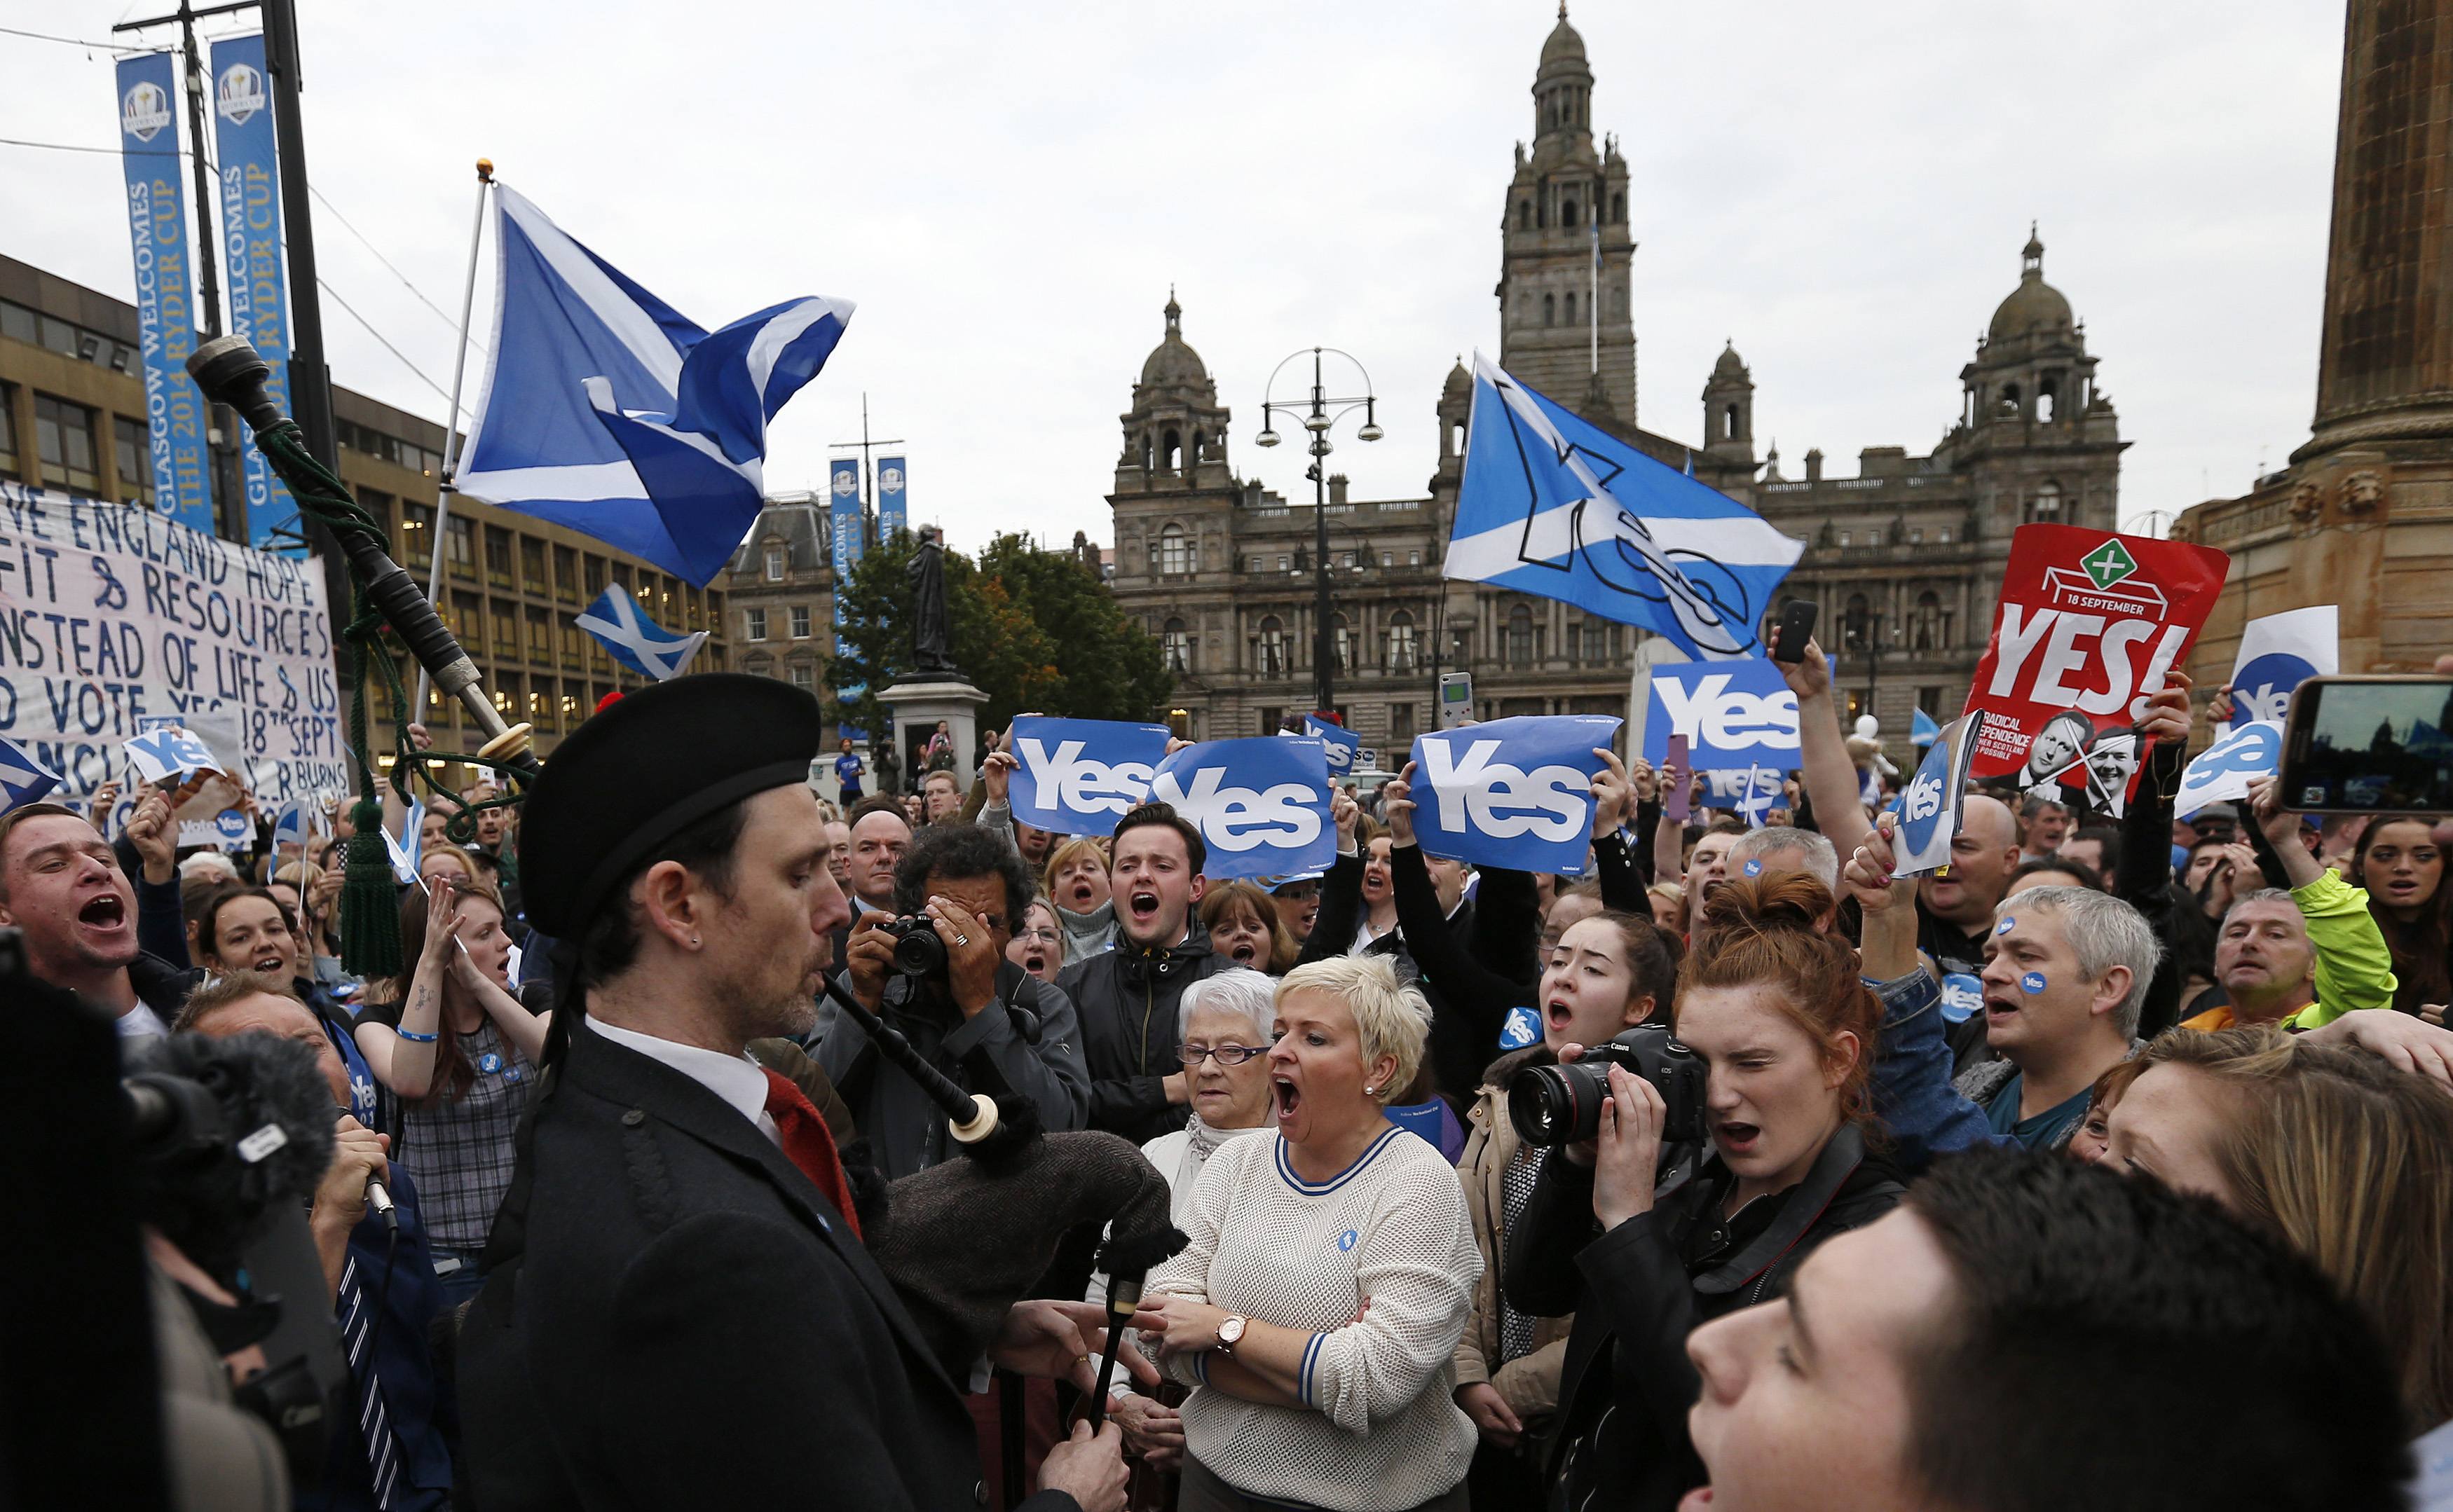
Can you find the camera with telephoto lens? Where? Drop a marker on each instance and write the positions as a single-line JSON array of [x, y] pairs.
[[918, 951], [1562, 1105]]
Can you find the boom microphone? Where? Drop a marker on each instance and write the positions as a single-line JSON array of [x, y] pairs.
[[229, 1133]]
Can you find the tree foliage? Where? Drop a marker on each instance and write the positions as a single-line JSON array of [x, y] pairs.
[[1035, 629]]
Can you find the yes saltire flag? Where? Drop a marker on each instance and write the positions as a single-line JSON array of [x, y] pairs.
[[634, 639], [1554, 506], [613, 414], [22, 776]]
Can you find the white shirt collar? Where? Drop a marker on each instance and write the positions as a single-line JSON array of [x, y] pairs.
[[737, 1078]]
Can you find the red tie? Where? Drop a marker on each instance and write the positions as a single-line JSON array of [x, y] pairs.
[[810, 1144]]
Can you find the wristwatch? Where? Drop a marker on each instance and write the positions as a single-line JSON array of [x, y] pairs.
[[1230, 1329]]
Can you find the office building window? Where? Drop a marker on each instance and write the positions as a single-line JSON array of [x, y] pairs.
[[64, 440], [532, 567], [753, 624], [132, 447], [595, 576], [573, 645], [541, 637], [9, 464], [800, 622], [506, 632], [460, 547], [565, 574], [416, 537], [498, 557]]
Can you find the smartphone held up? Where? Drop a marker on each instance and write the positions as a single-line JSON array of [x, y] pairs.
[[2368, 745]]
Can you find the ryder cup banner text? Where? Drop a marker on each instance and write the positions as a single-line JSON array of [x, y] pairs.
[[111, 616], [2088, 624], [1734, 715], [1078, 776], [1515, 792], [1262, 803]]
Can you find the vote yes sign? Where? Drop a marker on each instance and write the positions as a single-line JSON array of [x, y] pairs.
[[1514, 793], [1078, 776], [2087, 624], [1262, 803], [1734, 715]]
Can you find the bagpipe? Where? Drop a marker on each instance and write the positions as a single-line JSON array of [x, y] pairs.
[[962, 1241]]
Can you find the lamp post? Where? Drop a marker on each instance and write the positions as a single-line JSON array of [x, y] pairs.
[[1318, 413]]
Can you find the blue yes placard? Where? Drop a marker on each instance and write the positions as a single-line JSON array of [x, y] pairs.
[[1262, 803], [1078, 776], [1734, 714], [1515, 793], [1338, 744]]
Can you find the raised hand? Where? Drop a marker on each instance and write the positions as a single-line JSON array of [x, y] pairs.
[[1397, 804], [1613, 792], [2165, 716]]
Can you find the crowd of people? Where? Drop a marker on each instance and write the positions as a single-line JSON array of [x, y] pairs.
[[2111, 1166]]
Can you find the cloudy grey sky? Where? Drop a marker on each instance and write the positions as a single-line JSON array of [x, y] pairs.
[[1008, 191]]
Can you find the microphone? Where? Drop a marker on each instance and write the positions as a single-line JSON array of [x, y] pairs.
[[378, 1195], [230, 1133]]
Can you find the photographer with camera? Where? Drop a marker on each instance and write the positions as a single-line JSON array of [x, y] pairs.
[[936, 970], [1697, 1187]]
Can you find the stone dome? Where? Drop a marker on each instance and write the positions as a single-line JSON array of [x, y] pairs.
[[1730, 364], [2035, 308], [1460, 384], [1563, 45], [1171, 361]]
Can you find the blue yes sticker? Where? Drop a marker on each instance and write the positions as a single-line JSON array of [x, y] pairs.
[[1963, 998], [2006, 926], [1754, 867], [1523, 1027], [489, 1063], [1349, 1240], [2032, 982]]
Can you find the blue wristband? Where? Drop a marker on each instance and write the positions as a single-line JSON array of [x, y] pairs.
[[416, 1038]]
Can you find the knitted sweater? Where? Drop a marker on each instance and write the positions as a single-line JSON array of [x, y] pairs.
[[1382, 1431]]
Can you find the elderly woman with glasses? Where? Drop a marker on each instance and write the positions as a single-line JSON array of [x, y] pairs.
[[1316, 1312], [1226, 1023]]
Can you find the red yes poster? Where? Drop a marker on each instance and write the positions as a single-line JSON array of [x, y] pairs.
[[2088, 621]]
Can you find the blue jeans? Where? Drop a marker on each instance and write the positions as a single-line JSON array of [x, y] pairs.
[[462, 1284]]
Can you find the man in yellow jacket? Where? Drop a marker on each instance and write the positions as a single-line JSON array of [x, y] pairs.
[[2303, 958]]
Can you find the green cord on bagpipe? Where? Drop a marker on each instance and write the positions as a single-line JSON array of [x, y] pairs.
[[381, 594]]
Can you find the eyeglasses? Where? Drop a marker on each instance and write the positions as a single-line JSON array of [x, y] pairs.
[[1045, 935], [1227, 1054]]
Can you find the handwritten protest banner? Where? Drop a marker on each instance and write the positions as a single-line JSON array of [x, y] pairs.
[[113, 616]]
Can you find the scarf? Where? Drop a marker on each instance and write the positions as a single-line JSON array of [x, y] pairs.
[[1204, 1143]]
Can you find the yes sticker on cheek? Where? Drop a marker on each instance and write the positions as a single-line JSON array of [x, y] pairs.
[[2032, 982], [1754, 868]]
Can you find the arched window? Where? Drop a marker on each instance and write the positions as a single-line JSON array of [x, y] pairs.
[[1929, 628], [1523, 215], [1571, 306], [1857, 624], [1273, 647], [2046, 401], [2009, 399], [1200, 443], [1730, 423], [1149, 452], [1177, 642], [1549, 309], [1171, 451], [1174, 552], [1341, 642], [1618, 209], [2045, 508], [1519, 636], [1401, 642], [1568, 214]]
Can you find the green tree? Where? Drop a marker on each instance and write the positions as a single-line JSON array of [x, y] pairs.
[[1034, 628]]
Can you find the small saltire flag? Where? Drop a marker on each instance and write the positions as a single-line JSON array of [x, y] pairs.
[[406, 845], [298, 821], [23, 777], [619, 417], [1554, 506], [1922, 729], [636, 640]]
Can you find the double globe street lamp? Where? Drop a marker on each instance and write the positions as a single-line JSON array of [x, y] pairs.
[[1317, 414]]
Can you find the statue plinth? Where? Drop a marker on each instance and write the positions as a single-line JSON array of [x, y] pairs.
[[914, 706]]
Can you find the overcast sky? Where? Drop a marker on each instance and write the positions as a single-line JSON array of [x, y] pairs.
[[1007, 192]]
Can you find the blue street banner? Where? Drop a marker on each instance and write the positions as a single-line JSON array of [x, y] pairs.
[[1343, 746], [1927, 807], [615, 415], [1751, 792], [1262, 803], [1551, 505], [166, 311], [1078, 776], [890, 512], [252, 262], [2278, 652], [849, 541], [1515, 792], [2224, 771], [1734, 715], [635, 641]]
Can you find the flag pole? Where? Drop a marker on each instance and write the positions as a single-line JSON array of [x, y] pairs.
[[452, 421]]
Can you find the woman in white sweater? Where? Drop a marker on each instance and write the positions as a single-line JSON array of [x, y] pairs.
[[1318, 1309]]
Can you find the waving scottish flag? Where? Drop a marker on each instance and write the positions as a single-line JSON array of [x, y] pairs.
[[606, 411], [1554, 506], [22, 776], [636, 640]]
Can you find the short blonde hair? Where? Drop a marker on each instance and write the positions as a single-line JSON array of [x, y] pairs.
[[1063, 855], [1391, 1016]]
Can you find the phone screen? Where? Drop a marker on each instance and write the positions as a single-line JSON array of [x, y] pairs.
[[2359, 745]]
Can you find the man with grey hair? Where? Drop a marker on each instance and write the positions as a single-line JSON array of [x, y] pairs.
[[1785, 847], [2065, 974]]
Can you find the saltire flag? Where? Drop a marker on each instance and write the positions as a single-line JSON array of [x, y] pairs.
[[1554, 506], [1922, 729], [298, 821], [634, 639], [22, 776], [621, 419], [405, 846]]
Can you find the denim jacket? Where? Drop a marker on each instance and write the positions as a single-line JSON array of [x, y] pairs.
[[1913, 1094]]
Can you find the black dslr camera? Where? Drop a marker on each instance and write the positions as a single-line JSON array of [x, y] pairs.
[[918, 951], [1562, 1105]]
